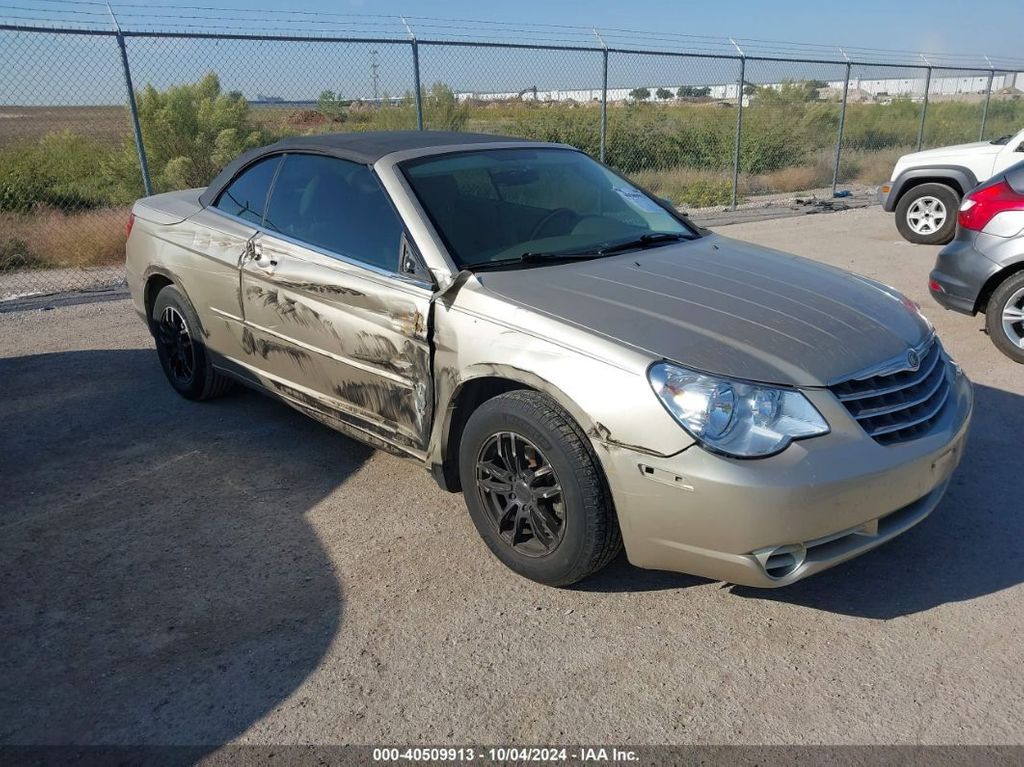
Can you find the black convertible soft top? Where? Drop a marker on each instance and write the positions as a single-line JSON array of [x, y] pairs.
[[365, 148]]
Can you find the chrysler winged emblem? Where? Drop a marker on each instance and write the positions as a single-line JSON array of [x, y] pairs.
[[913, 360]]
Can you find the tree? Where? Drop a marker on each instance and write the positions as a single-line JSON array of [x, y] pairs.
[[330, 104], [692, 91], [190, 132], [791, 92], [442, 109], [663, 93], [640, 94]]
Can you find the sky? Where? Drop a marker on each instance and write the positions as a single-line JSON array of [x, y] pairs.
[[34, 69], [995, 27]]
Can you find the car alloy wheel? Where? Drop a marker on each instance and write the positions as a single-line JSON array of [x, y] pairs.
[[175, 340], [926, 215], [1013, 318], [522, 494]]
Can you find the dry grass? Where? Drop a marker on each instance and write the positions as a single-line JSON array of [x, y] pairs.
[[108, 125], [870, 167], [49, 238], [688, 187]]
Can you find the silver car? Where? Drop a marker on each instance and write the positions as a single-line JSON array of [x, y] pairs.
[[588, 367], [982, 269]]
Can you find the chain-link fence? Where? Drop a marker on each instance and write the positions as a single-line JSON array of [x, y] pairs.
[[92, 119]]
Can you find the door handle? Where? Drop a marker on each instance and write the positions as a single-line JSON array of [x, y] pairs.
[[261, 259]]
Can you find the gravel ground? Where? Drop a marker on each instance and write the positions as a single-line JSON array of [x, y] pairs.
[[231, 571]]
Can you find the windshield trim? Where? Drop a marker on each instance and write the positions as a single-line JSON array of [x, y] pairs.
[[402, 166]]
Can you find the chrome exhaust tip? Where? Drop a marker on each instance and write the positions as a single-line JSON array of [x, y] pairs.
[[781, 561]]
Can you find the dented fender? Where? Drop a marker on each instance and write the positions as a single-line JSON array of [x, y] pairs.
[[602, 385]]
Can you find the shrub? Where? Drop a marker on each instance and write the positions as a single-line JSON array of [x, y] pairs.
[[332, 105], [190, 133], [442, 110], [61, 169]]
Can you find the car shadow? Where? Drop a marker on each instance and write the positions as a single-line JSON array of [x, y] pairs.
[[160, 581], [970, 546]]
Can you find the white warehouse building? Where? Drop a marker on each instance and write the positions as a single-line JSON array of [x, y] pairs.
[[878, 87]]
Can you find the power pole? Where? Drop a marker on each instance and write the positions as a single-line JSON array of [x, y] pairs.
[[373, 72]]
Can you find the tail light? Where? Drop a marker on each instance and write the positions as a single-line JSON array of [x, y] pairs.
[[987, 202], [128, 226]]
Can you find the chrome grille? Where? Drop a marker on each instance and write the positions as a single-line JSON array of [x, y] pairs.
[[899, 406]]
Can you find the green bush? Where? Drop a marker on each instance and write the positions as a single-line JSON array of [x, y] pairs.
[[190, 133], [442, 110], [63, 169]]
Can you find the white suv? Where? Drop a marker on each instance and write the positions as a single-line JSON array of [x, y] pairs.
[[926, 187]]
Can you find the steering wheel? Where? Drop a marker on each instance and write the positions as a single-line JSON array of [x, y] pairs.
[[549, 217]]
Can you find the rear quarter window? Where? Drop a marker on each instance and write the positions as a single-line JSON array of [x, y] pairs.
[[246, 196]]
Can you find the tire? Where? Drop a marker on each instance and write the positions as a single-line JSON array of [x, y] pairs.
[[587, 536], [180, 347], [1006, 333], [916, 211]]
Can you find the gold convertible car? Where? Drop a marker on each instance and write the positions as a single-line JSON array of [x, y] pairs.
[[587, 366]]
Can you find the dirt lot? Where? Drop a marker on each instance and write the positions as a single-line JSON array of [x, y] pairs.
[[182, 573]]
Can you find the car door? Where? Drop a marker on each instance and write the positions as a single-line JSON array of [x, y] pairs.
[[334, 327], [219, 235]]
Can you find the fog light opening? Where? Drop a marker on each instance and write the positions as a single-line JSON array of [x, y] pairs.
[[783, 560]]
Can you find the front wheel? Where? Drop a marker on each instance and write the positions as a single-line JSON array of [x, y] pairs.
[[535, 491], [1004, 317], [926, 214]]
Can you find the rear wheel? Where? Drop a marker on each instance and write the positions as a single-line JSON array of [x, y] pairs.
[[181, 350], [535, 491], [1004, 317], [926, 214]]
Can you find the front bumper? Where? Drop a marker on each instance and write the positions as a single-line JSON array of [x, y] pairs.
[[821, 501], [886, 198]]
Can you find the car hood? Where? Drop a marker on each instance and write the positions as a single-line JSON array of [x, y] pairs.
[[726, 307], [950, 153]]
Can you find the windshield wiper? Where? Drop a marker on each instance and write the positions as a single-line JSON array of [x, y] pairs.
[[537, 257], [543, 257], [643, 241]]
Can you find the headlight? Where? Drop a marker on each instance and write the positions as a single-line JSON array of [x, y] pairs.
[[739, 419]]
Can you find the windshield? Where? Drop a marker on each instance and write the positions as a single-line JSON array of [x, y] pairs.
[[496, 206]]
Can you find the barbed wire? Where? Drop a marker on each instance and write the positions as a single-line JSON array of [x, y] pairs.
[[163, 17]]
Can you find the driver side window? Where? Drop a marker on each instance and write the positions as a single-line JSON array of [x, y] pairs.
[[335, 205]]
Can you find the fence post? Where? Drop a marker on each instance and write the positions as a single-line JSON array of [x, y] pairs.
[[988, 98], [140, 147], [415, 74], [604, 93], [842, 126], [924, 107], [739, 127]]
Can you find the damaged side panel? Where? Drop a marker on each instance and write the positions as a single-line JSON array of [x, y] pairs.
[[355, 340], [201, 256]]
